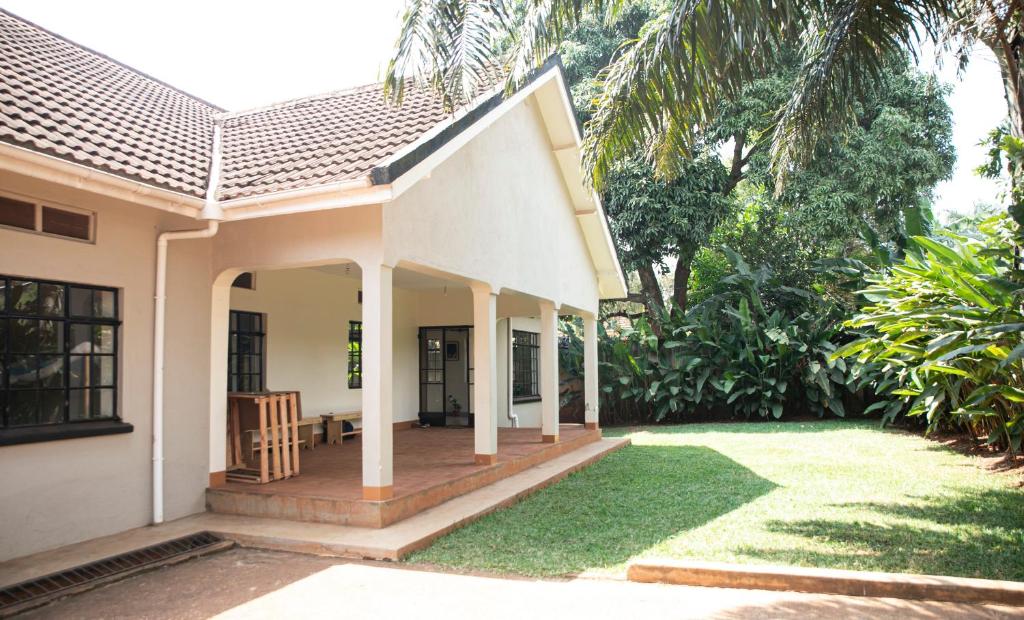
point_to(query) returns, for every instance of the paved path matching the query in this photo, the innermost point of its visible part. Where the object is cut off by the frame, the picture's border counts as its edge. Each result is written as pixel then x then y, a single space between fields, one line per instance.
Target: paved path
pixel 253 584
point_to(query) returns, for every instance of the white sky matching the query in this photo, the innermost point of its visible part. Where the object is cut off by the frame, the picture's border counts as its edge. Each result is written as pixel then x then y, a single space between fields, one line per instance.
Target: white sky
pixel 240 55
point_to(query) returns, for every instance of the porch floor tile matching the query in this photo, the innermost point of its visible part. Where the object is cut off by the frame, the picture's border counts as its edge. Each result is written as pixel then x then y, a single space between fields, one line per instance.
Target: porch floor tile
pixel 423 457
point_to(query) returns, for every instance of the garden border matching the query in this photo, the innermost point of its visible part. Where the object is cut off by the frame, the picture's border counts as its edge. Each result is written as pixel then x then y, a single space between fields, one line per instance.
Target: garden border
pixel 827 581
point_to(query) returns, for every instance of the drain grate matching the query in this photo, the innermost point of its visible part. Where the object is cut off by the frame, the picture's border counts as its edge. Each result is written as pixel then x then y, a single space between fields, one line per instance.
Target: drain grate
pixel 28 594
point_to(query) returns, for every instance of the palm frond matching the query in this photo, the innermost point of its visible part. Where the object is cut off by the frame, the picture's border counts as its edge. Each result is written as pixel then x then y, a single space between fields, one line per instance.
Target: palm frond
pixel 545 24
pixel 448 45
pixel 845 47
pixel 666 85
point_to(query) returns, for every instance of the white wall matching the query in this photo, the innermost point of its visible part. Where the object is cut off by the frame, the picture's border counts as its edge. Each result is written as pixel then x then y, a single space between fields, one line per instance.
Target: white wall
pixel 307 314
pixel 59 492
pixel 498 211
pixel 528 413
pixel 307 317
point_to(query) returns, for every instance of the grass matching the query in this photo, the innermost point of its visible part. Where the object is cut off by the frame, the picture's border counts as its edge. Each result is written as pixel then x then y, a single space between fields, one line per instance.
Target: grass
pixel 835 494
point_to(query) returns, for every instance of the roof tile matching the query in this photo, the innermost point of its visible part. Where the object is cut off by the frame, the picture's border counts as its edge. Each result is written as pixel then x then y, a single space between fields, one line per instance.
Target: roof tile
pixel 64 100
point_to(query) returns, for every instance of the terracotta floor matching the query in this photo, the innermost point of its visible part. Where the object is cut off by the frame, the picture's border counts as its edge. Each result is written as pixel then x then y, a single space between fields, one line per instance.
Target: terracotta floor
pixel 423 457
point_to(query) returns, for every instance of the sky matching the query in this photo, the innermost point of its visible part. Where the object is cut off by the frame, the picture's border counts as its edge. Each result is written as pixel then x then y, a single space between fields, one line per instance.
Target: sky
pixel 240 55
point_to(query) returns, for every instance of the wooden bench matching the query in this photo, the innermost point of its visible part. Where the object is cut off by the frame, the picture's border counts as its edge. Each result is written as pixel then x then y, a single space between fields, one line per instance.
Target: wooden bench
pixel 334 423
pixel 307 431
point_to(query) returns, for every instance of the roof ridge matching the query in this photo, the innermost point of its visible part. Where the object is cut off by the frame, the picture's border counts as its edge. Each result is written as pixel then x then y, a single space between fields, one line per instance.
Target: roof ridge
pixel 88 49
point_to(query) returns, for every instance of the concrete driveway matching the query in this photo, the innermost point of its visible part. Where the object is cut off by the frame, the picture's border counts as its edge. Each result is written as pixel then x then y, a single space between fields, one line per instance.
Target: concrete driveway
pixel 252 584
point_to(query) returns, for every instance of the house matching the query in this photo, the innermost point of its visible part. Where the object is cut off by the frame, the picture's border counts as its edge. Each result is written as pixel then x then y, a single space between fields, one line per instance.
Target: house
pixel 157 252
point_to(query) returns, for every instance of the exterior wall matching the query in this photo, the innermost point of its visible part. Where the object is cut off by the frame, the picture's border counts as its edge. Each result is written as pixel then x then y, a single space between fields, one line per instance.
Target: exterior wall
pixel 307 315
pixel 60 492
pixel 528 413
pixel 500 210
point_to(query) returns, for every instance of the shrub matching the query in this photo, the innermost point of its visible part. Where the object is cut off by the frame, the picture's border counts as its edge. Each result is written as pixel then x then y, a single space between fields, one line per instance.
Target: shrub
pixel 734 354
pixel 943 331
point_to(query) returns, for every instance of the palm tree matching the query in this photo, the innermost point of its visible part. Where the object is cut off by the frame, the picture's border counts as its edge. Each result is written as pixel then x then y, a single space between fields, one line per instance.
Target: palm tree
pixel 662 88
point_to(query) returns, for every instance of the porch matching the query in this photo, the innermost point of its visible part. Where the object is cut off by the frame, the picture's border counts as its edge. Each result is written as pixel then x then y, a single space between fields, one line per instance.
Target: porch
pixel 431 466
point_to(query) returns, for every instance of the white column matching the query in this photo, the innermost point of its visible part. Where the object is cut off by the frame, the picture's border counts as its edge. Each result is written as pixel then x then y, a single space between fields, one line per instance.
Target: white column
pixel 485 375
pixel 221 309
pixel 549 371
pixel 590 394
pixel 377 384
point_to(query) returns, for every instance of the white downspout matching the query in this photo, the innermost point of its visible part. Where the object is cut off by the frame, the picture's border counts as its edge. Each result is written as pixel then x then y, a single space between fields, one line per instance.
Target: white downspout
pixel 513 418
pixel 213 214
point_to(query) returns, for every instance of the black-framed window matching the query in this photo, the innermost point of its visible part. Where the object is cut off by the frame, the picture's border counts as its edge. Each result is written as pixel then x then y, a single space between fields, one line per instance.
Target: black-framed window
pixel 244 280
pixel 246 345
pixel 525 365
pixel 355 355
pixel 58 353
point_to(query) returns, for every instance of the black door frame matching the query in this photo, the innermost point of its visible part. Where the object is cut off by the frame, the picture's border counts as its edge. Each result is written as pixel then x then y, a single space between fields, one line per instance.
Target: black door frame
pixel 439 418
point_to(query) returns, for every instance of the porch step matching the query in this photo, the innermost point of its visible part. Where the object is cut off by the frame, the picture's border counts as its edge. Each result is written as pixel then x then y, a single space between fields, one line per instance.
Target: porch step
pixel 279 502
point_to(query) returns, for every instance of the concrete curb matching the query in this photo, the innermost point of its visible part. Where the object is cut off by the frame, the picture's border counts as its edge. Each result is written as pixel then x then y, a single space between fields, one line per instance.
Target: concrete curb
pixel 827 581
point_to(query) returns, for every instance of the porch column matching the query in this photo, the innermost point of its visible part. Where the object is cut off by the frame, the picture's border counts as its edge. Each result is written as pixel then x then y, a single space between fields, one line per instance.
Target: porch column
pixel 590 394
pixel 549 371
pixel 485 375
pixel 376 369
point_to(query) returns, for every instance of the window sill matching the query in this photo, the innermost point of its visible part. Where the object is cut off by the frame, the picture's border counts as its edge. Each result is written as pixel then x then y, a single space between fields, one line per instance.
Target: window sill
pixel 525 399
pixel 36 434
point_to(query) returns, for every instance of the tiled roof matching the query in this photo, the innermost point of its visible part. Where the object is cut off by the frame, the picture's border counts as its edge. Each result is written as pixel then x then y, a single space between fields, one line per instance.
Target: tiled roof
pixel 318 140
pixel 61 99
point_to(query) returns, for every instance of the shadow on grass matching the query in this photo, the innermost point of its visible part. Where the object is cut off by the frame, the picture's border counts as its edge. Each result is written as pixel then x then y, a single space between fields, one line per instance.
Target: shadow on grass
pixel 604 515
pixel 973 534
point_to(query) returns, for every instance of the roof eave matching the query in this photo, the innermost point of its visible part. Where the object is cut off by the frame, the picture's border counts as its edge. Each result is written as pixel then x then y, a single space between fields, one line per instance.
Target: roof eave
pixel 30 163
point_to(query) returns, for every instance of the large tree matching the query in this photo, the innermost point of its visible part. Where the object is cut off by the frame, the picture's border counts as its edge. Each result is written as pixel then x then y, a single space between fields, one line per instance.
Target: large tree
pixel 657 223
pixel 864 190
pixel 664 90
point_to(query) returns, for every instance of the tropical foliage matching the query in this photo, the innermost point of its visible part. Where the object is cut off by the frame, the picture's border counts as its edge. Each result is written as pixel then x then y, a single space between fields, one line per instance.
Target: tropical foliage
pixel 737 354
pixel 666 87
pixel 946 329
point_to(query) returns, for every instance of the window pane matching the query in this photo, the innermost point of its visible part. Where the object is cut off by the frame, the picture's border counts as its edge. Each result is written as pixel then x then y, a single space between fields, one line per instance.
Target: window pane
pixel 23 371
pixel 78 372
pixel 244 322
pixel 103 304
pixel 51 299
pixel 102 403
pixel 81 301
pixel 103 339
pixel 244 280
pixel 22 407
pixel 51 371
pixel 24 335
pixel 51 407
pixel 243 344
pixel 81 338
pixel 24 297
pixel 102 372
pixel 17 213
pixel 78 405
pixel 66 223
pixel 51 336
pixel 3 294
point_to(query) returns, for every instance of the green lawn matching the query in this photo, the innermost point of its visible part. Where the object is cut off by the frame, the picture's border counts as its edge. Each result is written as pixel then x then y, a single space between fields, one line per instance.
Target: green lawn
pixel 830 494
